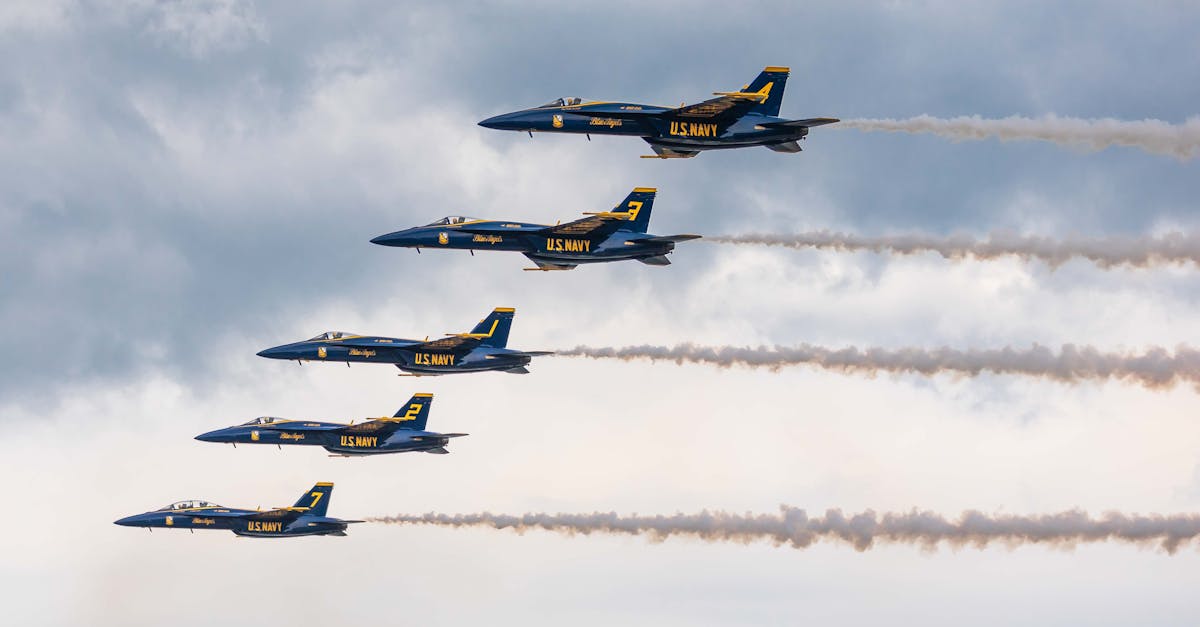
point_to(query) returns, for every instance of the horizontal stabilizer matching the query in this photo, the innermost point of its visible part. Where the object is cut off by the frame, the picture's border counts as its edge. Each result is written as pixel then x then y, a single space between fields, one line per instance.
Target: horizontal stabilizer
pixel 437 436
pixel 659 260
pixel 441 450
pixel 665 239
pixel 330 521
pixel 805 123
pixel 520 354
pixel 518 370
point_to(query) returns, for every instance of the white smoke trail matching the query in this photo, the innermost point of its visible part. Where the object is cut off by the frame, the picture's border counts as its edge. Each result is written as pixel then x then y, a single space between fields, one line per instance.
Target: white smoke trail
pixel 1155 136
pixel 1155 368
pixel 794 527
pixel 1107 252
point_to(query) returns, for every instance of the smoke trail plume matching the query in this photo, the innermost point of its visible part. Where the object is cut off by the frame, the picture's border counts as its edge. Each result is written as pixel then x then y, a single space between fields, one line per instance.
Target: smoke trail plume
pixel 1155 136
pixel 1140 252
pixel 794 527
pixel 1155 368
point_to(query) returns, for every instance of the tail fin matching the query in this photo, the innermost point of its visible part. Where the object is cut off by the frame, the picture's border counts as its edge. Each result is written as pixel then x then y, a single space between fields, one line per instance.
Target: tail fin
pixel 769 83
pixel 637 204
pixel 415 413
pixel 493 330
pixel 316 499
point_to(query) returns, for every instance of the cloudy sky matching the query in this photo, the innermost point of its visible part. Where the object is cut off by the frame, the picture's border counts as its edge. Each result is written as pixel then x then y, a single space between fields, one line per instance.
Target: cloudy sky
pixel 185 183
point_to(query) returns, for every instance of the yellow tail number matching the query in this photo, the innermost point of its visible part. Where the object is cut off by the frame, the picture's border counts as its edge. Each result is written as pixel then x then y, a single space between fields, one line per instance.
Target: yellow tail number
pixel 316 499
pixel 635 207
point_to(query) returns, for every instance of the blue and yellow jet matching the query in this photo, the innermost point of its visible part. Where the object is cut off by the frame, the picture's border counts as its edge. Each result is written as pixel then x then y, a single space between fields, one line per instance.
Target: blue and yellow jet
pixel 305 518
pixel 734 119
pixel 401 433
pixel 480 350
pixel 602 236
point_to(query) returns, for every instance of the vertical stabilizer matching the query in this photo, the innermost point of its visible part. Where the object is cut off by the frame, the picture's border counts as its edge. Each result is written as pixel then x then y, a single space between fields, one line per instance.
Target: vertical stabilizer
pixel 316 500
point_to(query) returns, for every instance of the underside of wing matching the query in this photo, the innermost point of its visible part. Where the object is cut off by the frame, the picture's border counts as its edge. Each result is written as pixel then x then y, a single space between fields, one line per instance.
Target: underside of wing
pixel 662 152
pixel 544 265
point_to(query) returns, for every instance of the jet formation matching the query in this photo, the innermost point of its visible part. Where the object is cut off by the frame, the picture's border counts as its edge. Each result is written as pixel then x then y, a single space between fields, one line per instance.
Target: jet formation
pixel 737 119
pixel 305 518
pixel 603 236
pixel 480 350
pixel 734 119
pixel 402 433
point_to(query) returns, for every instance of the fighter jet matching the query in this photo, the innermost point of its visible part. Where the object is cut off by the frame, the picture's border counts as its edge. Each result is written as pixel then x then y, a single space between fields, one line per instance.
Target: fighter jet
pixel 600 237
pixel 305 518
pixel 398 434
pixel 481 349
pixel 734 119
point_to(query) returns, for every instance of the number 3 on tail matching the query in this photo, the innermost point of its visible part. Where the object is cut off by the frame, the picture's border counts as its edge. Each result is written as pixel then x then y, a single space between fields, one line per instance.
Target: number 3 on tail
pixel 635 206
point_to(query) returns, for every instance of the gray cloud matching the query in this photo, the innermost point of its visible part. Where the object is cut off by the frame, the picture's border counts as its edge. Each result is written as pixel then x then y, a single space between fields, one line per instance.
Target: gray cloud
pixel 183 171
pixel 796 528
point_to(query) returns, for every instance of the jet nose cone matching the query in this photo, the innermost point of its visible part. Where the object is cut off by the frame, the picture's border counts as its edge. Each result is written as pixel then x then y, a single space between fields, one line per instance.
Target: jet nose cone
pixel 211 436
pixel 275 352
pixel 504 122
pixel 493 122
pixel 415 237
pixel 128 521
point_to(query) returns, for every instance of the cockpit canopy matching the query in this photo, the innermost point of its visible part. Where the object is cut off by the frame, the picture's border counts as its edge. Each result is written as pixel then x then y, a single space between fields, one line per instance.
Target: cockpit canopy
pixel 452 220
pixel 566 102
pixel 178 505
pixel 332 335
pixel 264 420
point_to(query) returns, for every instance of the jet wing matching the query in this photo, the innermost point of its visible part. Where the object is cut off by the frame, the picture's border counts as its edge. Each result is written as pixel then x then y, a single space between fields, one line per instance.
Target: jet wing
pixel 620 112
pixel 595 224
pixel 497 228
pixel 373 343
pixel 462 342
pixel 727 105
pixel 298 426
pixel 209 513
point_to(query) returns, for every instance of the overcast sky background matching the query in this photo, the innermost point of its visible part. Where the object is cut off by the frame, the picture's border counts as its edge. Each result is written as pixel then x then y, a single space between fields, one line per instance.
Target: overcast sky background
pixel 185 183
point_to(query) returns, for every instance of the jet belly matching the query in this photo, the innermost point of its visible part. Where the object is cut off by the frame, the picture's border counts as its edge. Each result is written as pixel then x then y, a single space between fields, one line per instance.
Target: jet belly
pixel 283 528
pixel 399 442
pixel 745 132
